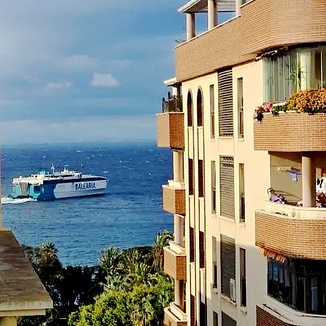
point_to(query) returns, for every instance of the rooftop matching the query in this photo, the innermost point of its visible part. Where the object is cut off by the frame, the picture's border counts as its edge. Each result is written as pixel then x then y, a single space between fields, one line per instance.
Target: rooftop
pixel 201 6
pixel 21 291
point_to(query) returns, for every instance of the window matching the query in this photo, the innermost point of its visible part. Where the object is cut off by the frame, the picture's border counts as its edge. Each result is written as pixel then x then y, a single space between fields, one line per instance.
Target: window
pixel 215 318
pixel 228 267
pixel 201 185
pixel 212 109
pixel 243 284
pixel 214 260
pixel 294 70
pixel 199 109
pixel 203 313
pixel 183 295
pixel 192 244
pixel 227 320
pixel 189 110
pixel 227 186
pixel 191 176
pixel 213 188
pixel 201 249
pixel 242 208
pixel 299 284
pixel 240 108
pixel 192 310
pixel 225 102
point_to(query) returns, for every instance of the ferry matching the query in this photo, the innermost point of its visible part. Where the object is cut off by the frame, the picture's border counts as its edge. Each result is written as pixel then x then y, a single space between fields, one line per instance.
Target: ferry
pixel 50 185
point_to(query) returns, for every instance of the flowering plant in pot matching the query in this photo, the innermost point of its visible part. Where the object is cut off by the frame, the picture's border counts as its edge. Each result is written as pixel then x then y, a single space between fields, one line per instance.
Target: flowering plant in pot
pixel 310 101
pixel 260 110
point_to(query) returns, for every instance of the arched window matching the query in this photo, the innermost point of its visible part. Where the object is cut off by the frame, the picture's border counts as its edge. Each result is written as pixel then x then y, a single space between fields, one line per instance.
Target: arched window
pixel 189 110
pixel 199 108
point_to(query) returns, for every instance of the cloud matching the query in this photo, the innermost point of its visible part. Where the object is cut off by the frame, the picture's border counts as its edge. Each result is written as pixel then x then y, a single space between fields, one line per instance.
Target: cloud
pixel 32 79
pixel 104 80
pixel 130 128
pixel 57 85
pixel 57 69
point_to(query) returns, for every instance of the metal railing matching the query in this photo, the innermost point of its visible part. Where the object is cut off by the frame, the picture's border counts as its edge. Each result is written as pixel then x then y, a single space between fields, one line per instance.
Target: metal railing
pixel 173 104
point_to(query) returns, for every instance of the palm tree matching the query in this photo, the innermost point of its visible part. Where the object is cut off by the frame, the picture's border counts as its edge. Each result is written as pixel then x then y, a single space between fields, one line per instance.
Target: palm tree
pixel 110 261
pixel 131 258
pixel 115 283
pixel 48 255
pixel 162 240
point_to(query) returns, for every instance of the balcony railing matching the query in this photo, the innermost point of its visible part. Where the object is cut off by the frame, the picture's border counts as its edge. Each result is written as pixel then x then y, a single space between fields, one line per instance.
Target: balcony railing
pixel 175 261
pixel 291 231
pixel 292 211
pixel 174 316
pixel 170 126
pixel 173 104
pixel 291 132
pixel 174 197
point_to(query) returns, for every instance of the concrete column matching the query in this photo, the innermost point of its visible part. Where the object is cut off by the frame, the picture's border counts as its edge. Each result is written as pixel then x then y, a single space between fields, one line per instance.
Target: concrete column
pixel 238 3
pixel 8 321
pixel 211 18
pixel 177 166
pixel 177 292
pixel 308 180
pixel 176 90
pixel 190 26
pixel 178 229
pixel 176 172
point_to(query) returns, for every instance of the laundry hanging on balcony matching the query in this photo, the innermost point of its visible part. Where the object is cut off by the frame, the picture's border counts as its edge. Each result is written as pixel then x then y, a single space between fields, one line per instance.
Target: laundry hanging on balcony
pixel 273 255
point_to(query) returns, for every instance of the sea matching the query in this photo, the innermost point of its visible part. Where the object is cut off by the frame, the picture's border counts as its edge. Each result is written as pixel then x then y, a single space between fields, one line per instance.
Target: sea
pixel 128 215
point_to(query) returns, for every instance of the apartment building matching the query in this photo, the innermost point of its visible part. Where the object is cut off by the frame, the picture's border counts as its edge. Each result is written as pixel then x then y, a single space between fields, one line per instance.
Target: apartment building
pixel 237 257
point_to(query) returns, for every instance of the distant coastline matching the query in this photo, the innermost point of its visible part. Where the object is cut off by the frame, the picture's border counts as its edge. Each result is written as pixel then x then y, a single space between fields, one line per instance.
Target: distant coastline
pixel 124 143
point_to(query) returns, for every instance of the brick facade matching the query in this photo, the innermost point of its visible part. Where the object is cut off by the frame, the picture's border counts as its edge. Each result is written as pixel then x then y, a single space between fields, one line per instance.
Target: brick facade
pixel 291 132
pixel 291 237
pixel 175 265
pixel 262 25
pixel 174 200
pixel 170 130
pixel 263 318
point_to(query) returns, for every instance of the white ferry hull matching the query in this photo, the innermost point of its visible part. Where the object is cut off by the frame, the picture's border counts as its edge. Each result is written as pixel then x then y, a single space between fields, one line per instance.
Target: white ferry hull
pixel 76 189
pixel 65 184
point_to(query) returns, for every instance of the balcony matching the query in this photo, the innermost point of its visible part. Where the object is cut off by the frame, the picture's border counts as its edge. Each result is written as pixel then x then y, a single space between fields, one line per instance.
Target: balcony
pixel 173 104
pixel 174 198
pixel 234 42
pixel 291 132
pixel 175 261
pixel 174 316
pixel 170 124
pixel 291 231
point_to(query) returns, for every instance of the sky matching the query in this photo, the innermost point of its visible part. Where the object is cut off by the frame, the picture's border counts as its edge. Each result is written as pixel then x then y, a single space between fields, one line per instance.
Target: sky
pixel 85 70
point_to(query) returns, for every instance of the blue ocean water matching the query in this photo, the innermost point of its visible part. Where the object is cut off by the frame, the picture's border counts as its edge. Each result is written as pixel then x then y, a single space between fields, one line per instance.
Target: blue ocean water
pixel 129 214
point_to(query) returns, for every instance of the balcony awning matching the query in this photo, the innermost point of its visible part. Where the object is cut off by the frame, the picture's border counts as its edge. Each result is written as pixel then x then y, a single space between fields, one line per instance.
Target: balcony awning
pixel 272 254
pixel 194 6
pixel 172 82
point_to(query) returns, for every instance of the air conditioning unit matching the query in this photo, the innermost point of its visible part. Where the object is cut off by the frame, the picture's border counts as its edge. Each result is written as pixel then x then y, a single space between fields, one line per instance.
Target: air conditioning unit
pixel 232 290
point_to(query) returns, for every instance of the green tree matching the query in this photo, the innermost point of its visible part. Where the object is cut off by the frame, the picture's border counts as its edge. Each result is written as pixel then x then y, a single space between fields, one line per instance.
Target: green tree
pixel 75 286
pixel 140 305
pixel 162 240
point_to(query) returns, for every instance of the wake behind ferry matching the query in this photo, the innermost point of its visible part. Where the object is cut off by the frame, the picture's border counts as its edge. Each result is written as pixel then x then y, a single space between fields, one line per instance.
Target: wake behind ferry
pixel 47 185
